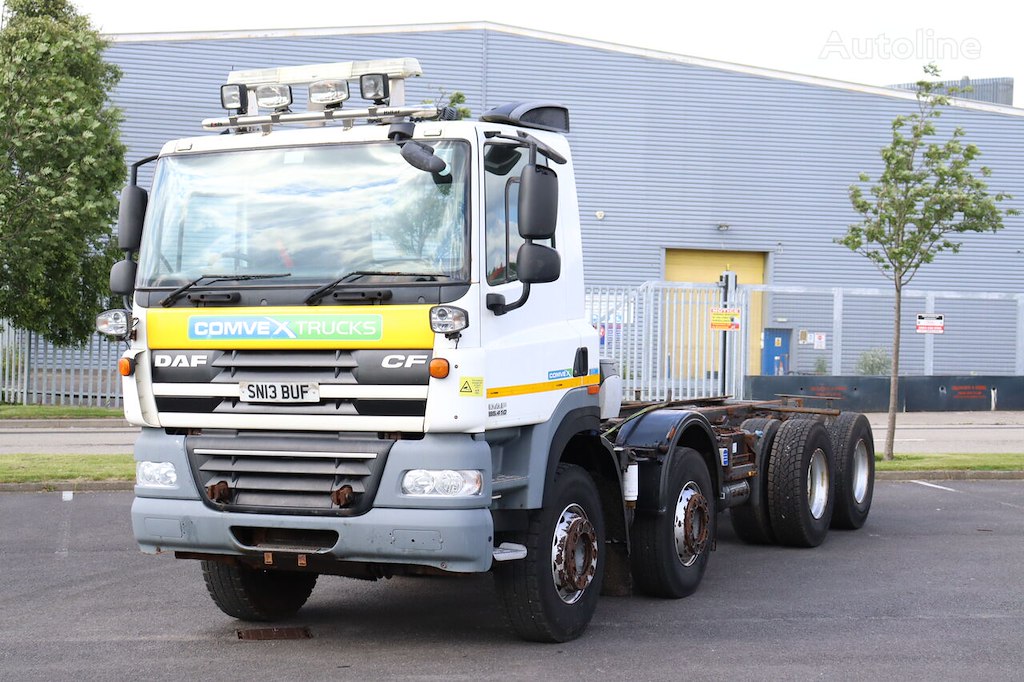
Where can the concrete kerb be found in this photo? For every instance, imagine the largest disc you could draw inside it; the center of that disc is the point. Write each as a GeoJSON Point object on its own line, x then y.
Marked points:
{"type": "Point", "coordinates": [71, 424]}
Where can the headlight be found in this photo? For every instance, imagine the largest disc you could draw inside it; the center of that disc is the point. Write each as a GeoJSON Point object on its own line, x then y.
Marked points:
{"type": "Point", "coordinates": [112, 323]}
{"type": "Point", "coordinates": [443, 482]}
{"type": "Point", "coordinates": [155, 474]}
{"type": "Point", "coordinates": [447, 319]}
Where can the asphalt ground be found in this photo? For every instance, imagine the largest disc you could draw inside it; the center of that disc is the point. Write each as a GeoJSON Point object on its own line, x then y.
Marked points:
{"type": "Point", "coordinates": [929, 589]}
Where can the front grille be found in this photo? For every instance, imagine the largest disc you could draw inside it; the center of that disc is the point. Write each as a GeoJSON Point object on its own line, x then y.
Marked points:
{"type": "Point", "coordinates": [359, 383]}
{"type": "Point", "coordinates": [296, 473]}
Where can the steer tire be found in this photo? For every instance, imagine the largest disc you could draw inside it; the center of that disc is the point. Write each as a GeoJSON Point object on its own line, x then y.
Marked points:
{"type": "Point", "coordinates": [549, 596]}
{"type": "Point", "coordinates": [665, 561]}
{"type": "Point", "coordinates": [854, 447]}
{"type": "Point", "coordinates": [752, 521]}
{"type": "Point", "coordinates": [801, 487]}
{"type": "Point", "coordinates": [254, 594]}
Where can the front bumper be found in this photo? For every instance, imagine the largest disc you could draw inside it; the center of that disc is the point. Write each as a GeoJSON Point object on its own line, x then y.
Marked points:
{"type": "Point", "coordinates": [458, 540]}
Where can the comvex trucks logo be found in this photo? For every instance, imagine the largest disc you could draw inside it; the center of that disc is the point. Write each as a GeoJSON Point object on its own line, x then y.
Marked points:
{"type": "Point", "coordinates": [282, 327]}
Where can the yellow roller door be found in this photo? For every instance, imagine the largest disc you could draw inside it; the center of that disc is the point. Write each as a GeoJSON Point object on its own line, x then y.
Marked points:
{"type": "Point", "coordinates": [690, 265]}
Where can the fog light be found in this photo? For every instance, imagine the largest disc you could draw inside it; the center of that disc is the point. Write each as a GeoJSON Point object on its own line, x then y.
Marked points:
{"type": "Point", "coordinates": [328, 92]}
{"type": "Point", "coordinates": [443, 482]}
{"type": "Point", "coordinates": [275, 96]}
{"type": "Point", "coordinates": [234, 97]}
{"type": "Point", "coordinates": [155, 474]}
{"type": "Point", "coordinates": [375, 86]}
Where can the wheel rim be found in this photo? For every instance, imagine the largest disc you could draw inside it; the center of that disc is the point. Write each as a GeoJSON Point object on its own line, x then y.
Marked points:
{"type": "Point", "coordinates": [860, 474]}
{"type": "Point", "coordinates": [817, 483]}
{"type": "Point", "coordinates": [690, 525]}
{"type": "Point", "coordinates": [574, 554]}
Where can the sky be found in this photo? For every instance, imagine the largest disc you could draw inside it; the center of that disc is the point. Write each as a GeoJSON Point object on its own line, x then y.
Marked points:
{"type": "Point", "coordinates": [869, 41]}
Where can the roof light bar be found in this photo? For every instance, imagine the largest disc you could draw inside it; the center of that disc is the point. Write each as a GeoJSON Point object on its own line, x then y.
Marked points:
{"type": "Point", "coordinates": [382, 81]}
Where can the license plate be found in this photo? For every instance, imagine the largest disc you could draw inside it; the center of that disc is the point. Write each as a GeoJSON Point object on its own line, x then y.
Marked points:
{"type": "Point", "coordinates": [278, 392]}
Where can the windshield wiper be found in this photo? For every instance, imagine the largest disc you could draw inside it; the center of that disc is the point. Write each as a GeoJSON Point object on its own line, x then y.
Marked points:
{"type": "Point", "coordinates": [320, 292]}
{"type": "Point", "coordinates": [169, 300]}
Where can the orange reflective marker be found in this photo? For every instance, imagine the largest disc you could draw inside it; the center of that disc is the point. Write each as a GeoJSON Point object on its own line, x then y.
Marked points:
{"type": "Point", "coordinates": [439, 368]}
{"type": "Point", "coordinates": [126, 366]}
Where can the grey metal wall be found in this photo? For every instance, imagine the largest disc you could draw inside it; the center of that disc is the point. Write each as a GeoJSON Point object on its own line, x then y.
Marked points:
{"type": "Point", "coordinates": [665, 149]}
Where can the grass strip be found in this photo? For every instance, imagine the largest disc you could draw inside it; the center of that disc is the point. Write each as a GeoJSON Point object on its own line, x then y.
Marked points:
{"type": "Point", "coordinates": [44, 468]}
{"type": "Point", "coordinates": [952, 462]}
{"type": "Point", "coordinates": [58, 412]}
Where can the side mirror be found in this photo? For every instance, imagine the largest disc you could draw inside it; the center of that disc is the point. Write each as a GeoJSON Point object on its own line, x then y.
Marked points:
{"type": "Point", "coordinates": [538, 203]}
{"type": "Point", "coordinates": [421, 157]}
{"type": "Point", "coordinates": [130, 217]}
{"type": "Point", "coordinates": [122, 277]}
{"type": "Point", "coordinates": [537, 264]}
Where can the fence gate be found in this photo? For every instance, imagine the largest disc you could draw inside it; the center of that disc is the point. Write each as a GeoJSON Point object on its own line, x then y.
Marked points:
{"type": "Point", "coordinates": [672, 340]}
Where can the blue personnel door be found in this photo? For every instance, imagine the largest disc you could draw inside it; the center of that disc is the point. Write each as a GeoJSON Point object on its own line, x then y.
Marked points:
{"type": "Point", "coordinates": [775, 355]}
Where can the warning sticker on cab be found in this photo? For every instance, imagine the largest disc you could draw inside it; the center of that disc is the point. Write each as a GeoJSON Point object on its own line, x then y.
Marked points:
{"type": "Point", "coordinates": [471, 387]}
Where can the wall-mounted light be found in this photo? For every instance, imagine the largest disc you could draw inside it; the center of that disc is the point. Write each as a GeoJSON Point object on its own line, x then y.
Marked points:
{"type": "Point", "coordinates": [722, 227]}
{"type": "Point", "coordinates": [599, 215]}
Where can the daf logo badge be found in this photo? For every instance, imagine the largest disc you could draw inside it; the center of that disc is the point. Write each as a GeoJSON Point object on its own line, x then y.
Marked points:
{"type": "Point", "coordinates": [180, 360]}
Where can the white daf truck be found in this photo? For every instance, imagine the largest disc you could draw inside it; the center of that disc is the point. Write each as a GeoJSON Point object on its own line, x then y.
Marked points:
{"type": "Point", "coordinates": [356, 346]}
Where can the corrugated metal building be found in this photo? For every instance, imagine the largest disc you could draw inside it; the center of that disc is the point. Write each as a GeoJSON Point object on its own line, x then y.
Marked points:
{"type": "Point", "coordinates": [679, 160]}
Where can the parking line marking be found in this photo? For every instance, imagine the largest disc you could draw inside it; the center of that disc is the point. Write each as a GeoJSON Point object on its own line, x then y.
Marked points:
{"type": "Point", "coordinates": [932, 485]}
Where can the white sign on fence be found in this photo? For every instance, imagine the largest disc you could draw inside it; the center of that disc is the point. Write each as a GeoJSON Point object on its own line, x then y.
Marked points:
{"type": "Point", "coordinates": [930, 323]}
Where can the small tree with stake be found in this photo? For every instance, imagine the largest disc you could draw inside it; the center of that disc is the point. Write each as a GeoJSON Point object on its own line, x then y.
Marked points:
{"type": "Point", "coordinates": [925, 196]}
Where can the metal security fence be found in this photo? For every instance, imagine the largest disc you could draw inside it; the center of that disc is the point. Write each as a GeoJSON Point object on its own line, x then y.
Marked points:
{"type": "Point", "coordinates": [33, 371]}
{"type": "Point", "coordinates": [689, 340]}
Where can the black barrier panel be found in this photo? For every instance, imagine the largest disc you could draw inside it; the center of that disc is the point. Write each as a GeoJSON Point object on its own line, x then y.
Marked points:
{"type": "Point", "coordinates": [963, 393]}
{"type": "Point", "coordinates": [855, 393]}
{"type": "Point", "coordinates": [917, 394]}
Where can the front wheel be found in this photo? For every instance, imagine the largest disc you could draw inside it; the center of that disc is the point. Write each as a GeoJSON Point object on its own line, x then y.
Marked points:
{"type": "Point", "coordinates": [671, 548]}
{"type": "Point", "coordinates": [550, 596]}
{"type": "Point", "coordinates": [258, 595]}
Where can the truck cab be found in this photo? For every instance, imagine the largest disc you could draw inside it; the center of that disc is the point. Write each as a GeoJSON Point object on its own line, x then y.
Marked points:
{"type": "Point", "coordinates": [356, 338]}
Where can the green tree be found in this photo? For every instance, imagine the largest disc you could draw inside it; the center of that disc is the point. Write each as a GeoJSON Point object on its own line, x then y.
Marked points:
{"type": "Point", "coordinates": [61, 165]}
{"type": "Point", "coordinates": [925, 196]}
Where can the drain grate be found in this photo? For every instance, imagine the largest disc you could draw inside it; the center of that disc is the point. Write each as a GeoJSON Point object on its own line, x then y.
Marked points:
{"type": "Point", "coordinates": [263, 634]}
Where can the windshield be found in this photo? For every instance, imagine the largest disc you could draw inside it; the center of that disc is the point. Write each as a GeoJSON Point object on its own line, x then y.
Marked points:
{"type": "Point", "coordinates": [309, 214]}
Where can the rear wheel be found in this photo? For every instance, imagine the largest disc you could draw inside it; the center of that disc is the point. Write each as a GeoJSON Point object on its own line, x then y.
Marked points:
{"type": "Point", "coordinates": [854, 447]}
{"type": "Point", "coordinates": [752, 522]}
{"type": "Point", "coordinates": [550, 596]}
{"type": "Point", "coordinates": [253, 594]}
{"type": "Point", "coordinates": [670, 550]}
{"type": "Point", "coordinates": [800, 483]}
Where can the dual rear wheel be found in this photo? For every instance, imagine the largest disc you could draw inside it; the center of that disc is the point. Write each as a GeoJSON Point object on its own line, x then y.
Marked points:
{"type": "Point", "coordinates": [817, 477]}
